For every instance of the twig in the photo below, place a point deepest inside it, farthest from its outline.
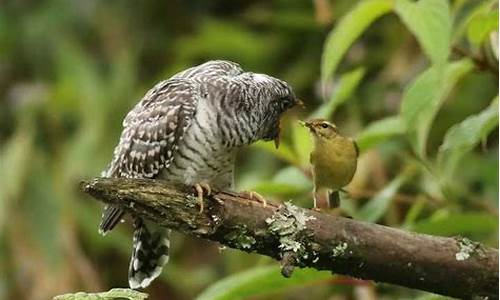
(453, 267)
(481, 62)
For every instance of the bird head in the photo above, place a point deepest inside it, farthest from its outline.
(277, 97)
(321, 129)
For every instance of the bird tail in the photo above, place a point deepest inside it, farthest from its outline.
(149, 254)
(334, 199)
(111, 216)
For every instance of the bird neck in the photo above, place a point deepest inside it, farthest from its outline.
(336, 144)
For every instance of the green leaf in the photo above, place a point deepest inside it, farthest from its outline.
(261, 281)
(380, 131)
(284, 152)
(288, 181)
(277, 189)
(480, 25)
(464, 136)
(458, 224)
(414, 211)
(349, 28)
(344, 89)
(376, 207)
(430, 22)
(423, 98)
(302, 143)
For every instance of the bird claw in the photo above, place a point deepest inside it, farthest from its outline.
(201, 190)
(255, 196)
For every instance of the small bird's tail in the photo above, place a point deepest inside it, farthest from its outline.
(149, 255)
(111, 216)
(334, 199)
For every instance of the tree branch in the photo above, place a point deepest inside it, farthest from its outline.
(454, 267)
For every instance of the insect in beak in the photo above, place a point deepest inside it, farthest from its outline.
(301, 104)
(306, 124)
(277, 138)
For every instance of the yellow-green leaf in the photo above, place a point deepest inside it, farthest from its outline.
(349, 28)
(480, 25)
(380, 131)
(376, 207)
(423, 98)
(458, 224)
(430, 22)
(260, 281)
(302, 143)
(284, 151)
(342, 91)
(464, 136)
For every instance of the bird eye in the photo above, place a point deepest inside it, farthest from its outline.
(324, 125)
(285, 100)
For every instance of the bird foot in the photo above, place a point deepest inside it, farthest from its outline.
(337, 212)
(202, 189)
(255, 196)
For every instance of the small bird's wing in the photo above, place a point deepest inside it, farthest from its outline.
(356, 147)
(152, 131)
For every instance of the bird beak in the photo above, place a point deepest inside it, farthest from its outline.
(301, 104)
(305, 124)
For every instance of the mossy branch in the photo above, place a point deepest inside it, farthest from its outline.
(453, 267)
(112, 294)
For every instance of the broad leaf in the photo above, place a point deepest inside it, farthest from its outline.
(302, 143)
(342, 91)
(458, 224)
(464, 136)
(380, 131)
(430, 22)
(376, 207)
(422, 100)
(284, 151)
(261, 281)
(415, 209)
(288, 181)
(278, 189)
(480, 25)
(349, 28)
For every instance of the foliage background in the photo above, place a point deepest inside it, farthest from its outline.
(413, 82)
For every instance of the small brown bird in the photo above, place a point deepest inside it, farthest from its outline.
(334, 160)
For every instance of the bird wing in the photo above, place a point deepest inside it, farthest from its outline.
(151, 134)
(356, 148)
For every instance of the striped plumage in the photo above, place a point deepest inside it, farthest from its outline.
(187, 130)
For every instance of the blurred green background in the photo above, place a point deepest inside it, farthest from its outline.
(414, 83)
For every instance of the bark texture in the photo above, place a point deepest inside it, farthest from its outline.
(300, 237)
